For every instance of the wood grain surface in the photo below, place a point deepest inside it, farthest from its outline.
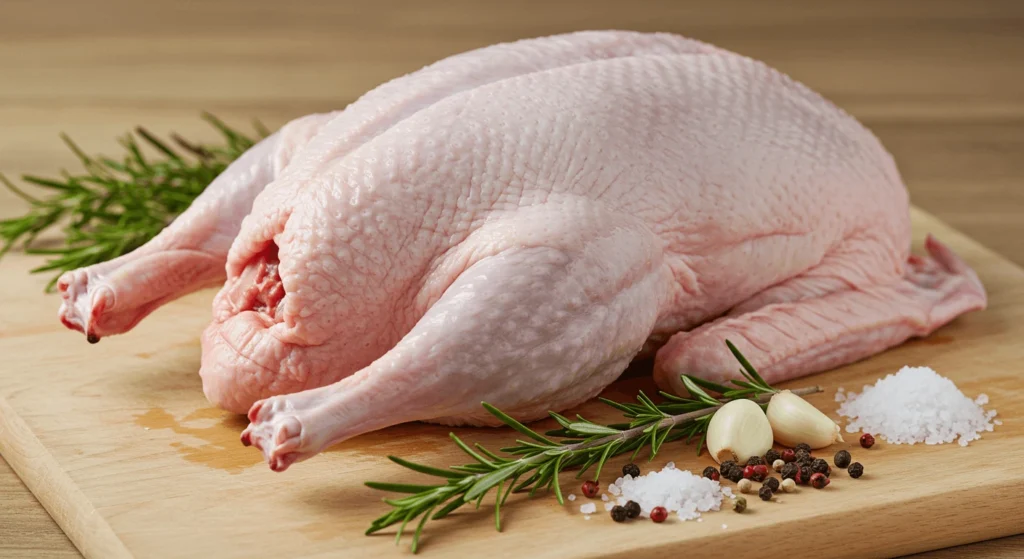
(938, 81)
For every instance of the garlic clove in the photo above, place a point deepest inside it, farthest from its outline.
(795, 420)
(737, 431)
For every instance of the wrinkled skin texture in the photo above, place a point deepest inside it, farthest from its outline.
(515, 224)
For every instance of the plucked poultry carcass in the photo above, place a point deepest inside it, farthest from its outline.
(516, 223)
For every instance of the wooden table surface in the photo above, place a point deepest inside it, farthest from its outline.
(939, 81)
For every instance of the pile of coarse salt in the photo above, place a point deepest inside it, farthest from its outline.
(679, 491)
(916, 405)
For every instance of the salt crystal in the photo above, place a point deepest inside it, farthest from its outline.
(670, 465)
(572, 496)
(679, 491)
(609, 506)
(998, 422)
(587, 517)
(588, 508)
(604, 497)
(916, 405)
(840, 396)
(724, 526)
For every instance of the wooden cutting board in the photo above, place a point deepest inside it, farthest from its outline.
(118, 443)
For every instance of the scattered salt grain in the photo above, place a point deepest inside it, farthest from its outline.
(604, 497)
(916, 405)
(998, 422)
(609, 506)
(679, 491)
(587, 517)
(700, 520)
(572, 496)
(588, 508)
(724, 526)
(670, 466)
(840, 396)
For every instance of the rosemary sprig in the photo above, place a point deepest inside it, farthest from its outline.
(114, 207)
(539, 459)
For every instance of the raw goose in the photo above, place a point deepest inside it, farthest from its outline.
(516, 223)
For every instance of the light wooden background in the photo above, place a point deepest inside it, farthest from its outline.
(940, 81)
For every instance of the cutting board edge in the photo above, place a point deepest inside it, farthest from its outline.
(950, 529)
(55, 490)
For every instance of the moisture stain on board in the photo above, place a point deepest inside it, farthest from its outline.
(217, 428)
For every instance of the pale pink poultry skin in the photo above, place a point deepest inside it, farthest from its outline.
(515, 224)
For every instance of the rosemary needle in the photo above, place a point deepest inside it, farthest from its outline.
(116, 206)
(582, 444)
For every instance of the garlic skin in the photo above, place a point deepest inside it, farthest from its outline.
(737, 431)
(795, 420)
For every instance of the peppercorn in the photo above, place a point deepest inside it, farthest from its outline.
(659, 514)
(804, 476)
(821, 466)
(803, 455)
(726, 466)
(765, 493)
(788, 485)
(735, 474)
(855, 470)
(632, 509)
(773, 483)
(771, 456)
(711, 473)
(591, 488)
(619, 513)
(819, 481)
(760, 472)
(867, 440)
(842, 459)
(631, 469)
(803, 446)
(789, 471)
(748, 472)
(739, 505)
(744, 485)
(778, 464)
(755, 461)
(789, 455)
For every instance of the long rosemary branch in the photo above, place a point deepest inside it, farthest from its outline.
(116, 206)
(583, 443)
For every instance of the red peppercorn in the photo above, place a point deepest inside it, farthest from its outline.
(748, 472)
(789, 455)
(867, 440)
(819, 481)
(659, 514)
(591, 488)
(760, 472)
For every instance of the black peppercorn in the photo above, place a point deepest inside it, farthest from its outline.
(726, 466)
(842, 459)
(711, 473)
(804, 476)
(855, 470)
(772, 483)
(771, 456)
(755, 461)
(619, 513)
(820, 466)
(790, 470)
(803, 455)
(631, 469)
(735, 474)
(632, 509)
(765, 493)
(803, 446)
